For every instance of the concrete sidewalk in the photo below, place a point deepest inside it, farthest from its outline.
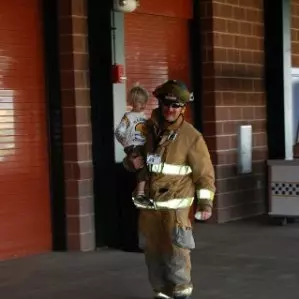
(241, 260)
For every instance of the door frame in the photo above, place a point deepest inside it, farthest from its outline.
(54, 122)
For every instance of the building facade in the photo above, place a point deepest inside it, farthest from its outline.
(61, 181)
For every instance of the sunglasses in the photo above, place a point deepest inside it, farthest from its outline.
(172, 104)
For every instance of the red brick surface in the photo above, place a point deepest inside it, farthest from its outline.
(295, 33)
(76, 124)
(233, 89)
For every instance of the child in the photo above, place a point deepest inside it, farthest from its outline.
(131, 134)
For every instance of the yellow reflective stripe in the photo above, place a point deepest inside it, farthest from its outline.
(205, 194)
(171, 204)
(175, 203)
(165, 168)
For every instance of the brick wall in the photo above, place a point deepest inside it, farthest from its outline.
(233, 94)
(76, 124)
(295, 32)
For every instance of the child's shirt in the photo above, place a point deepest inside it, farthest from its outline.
(131, 129)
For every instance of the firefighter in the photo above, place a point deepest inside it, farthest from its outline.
(180, 167)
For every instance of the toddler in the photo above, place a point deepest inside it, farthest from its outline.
(131, 134)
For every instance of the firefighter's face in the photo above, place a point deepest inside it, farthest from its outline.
(172, 110)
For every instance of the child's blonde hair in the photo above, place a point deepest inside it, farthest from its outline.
(137, 93)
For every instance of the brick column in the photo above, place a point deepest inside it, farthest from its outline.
(76, 124)
(233, 94)
(295, 33)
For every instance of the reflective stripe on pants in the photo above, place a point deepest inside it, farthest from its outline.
(171, 204)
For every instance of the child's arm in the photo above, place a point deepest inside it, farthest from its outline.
(121, 130)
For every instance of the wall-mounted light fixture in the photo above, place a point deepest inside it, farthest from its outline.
(126, 5)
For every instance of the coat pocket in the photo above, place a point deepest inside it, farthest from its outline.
(182, 235)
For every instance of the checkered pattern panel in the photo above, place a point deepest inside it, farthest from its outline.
(285, 189)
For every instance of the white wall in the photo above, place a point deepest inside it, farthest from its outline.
(295, 102)
(119, 90)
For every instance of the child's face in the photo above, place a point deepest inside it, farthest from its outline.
(139, 105)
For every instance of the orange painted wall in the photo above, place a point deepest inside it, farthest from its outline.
(157, 45)
(25, 226)
(170, 8)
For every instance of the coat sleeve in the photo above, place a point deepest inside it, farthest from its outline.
(121, 130)
(202, 170)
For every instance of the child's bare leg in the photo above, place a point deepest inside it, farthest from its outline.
(140, 188)
(141, 198)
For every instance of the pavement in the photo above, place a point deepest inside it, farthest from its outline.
(240, 260)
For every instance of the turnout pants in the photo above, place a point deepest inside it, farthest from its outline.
(166, 237)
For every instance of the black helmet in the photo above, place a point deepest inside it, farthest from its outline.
(173, 90)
